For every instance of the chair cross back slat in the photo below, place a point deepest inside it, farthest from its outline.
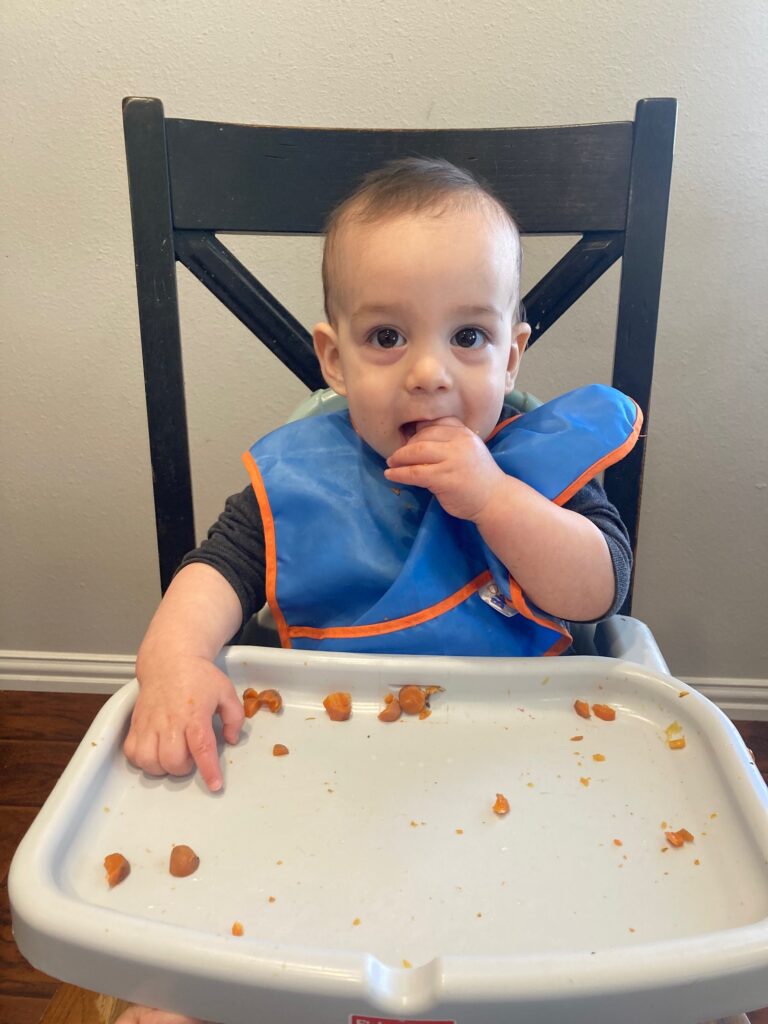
(191, 180)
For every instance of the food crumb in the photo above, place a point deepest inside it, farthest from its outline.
(356, 922)
(407, 963)
(676, 744)
(604, 712)
(683, 693)
(631, 929)
(617, 842)
(479, 914)
(424, 713)
(271, 899)
(697, 862)
(585, 780)
(338, 706)
(598, 757)
(183, 861)
(391, 711)
(278, 862)
(501, 806)
(117, 868)
(412, 699)
(459, 831)
(237, 928)
(712, 816)
(279, 750)
(581, 708)
(575, 739)
(678, 838)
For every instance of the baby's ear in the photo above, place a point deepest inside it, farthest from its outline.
(327, 351)
(520, 334)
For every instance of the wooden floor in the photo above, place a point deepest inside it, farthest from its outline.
(38, 734)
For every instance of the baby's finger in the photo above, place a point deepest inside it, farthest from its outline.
(232, 714)
(143, 752)
(202, 746)
(173, 753)
(415, 476)
(419, 453)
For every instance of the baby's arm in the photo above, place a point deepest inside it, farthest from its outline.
(559, 558)
(180, 687)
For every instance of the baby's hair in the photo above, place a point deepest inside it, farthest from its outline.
(411, 185)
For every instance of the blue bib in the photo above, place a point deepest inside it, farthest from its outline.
(357, 564)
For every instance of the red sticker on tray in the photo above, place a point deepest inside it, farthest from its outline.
(365, 1019)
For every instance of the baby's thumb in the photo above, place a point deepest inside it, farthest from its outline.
(232, 715)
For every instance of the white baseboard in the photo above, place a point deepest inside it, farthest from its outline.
(741, 699)
(105, 673)
(53, 672)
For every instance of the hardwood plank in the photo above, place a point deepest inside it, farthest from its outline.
(19, 978)
(755, 735)
(14, 822)
(22, 1009)
(72, 1005)
(30, 769)
(47, 716)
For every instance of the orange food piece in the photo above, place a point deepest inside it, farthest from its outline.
(117, 868)
(424, 713)
(581, 708)
(412, 699)
(253, 700)
(279, 750)
(271, 700)
(598, 757)
(677, 744)
(237, 928)
(391, 712)
(184, 861)
(576, 739)
(430, 690)
(338, 706)
(389, 697)
(604, 711)
(501, 806)
(678, 838)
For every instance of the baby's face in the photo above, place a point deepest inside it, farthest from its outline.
(426, 325)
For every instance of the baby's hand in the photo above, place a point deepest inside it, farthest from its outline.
(145, 1015)
(171, 726)
(452, 462)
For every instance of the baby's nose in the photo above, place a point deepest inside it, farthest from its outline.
(428, 372)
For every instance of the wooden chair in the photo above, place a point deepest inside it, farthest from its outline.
(192, 181)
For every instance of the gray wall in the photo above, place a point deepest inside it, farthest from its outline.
(79, 566)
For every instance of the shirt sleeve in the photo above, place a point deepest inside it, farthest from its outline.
(235, 548)
(592, 502)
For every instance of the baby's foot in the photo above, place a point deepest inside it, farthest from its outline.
(146, 1015)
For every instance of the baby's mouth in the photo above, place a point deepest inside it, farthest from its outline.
(407, 430)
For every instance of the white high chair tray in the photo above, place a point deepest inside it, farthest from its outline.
(372, 878)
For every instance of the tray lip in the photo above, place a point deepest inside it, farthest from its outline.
(461, 978)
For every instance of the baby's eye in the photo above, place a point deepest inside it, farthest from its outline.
(386, 337)
(469, 337)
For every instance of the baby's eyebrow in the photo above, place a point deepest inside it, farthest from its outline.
(372, 309)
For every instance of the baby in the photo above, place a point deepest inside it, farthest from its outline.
(426, 519)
